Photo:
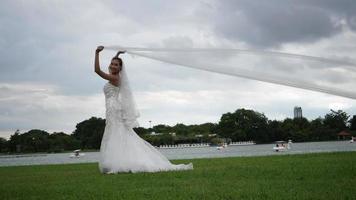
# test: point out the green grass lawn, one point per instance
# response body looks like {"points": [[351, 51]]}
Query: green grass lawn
{"points": [[307, 176]]}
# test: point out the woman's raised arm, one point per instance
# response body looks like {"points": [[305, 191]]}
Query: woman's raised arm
{"points": [[102, 74]]}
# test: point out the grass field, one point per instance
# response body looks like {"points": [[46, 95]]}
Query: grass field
{"points": [[307, 176]]}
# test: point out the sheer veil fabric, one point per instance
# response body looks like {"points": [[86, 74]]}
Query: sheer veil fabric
{"points": [[129, 108], [335, 74], [122, 150]]}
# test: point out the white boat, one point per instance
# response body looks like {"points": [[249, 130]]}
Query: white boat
{"points": [[221, 146], [76, 154], [282, 145]]}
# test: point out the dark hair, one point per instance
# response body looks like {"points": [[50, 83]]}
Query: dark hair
{"points": [[116, 57]]}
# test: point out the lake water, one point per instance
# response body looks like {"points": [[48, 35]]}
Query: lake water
{"points": [[185, 153]]}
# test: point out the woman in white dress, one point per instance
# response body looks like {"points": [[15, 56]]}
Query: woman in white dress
{"points": [[122, 150]]}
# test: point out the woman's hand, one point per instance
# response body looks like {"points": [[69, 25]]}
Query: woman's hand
{"points": [[99, 48], [119, 52]]}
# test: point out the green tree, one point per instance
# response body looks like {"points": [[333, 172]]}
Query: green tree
{"points": [[243, 125], [353, 123], [317, 130], [34, 140], [61, 141], [15, 141], [201, 129], [288, 128], [3, 145], [141, 131], [275, 131], [180, 129], [90, 132], [302, 130], [161, 128], [336, 120]]}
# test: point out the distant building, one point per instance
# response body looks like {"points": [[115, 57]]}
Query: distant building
{"points": [[154, 133], [298, 112], [343, 135]]}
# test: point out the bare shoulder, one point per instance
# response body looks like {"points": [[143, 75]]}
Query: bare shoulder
{"points": [[109, 77]]}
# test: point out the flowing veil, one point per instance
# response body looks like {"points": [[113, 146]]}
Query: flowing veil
{"points": [[334, 74], [129, 108]]}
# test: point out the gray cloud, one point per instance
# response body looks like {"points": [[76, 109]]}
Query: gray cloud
{"points": [[272, 23], [54, 42]]}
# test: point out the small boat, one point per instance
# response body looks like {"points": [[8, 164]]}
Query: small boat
{"points": [[282, 145], [76, 154], [221, 146]]}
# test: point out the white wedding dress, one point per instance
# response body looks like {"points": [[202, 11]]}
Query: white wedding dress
{"points": [[122, 150]]}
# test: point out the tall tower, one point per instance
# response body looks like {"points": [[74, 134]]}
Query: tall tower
{"points": [[297, 112]]}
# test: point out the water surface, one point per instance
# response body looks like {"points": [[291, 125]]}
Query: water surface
{"points": [[185, 153]]}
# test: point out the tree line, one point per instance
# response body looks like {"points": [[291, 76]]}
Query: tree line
{"points": [[241, 125]]}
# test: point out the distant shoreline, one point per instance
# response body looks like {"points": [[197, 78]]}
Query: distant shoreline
{"points": [[97, 150]]}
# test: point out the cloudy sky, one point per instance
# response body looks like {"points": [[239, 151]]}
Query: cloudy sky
{"points": [[47, 49]]}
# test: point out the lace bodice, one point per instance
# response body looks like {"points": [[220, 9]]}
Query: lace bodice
{"points": [[110, 90], [113, 103]]}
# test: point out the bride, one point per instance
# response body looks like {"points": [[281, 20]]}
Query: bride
{"points": [[122, 150]]}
